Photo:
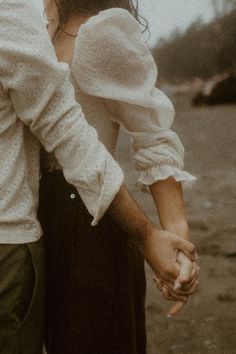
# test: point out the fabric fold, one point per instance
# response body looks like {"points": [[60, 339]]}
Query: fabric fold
{"points": [[162, 172]]}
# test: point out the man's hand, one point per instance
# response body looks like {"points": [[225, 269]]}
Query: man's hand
{"points": [[159, 248], [161, 251]]}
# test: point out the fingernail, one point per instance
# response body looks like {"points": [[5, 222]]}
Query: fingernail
{"points": [[169, 316]]}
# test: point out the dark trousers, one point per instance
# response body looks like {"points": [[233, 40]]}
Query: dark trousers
{"points": [[95, 301], [21, 298]]}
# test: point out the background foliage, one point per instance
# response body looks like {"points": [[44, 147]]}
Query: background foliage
{"points": [[202, 51]]}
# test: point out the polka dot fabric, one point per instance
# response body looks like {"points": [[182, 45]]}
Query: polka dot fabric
{"points": [[37, 105]]}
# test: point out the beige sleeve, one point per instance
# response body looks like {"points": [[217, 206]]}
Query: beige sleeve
{"points": [[43, 98]]}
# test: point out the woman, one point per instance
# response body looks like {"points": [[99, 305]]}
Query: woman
{"points": [[96, 280]]}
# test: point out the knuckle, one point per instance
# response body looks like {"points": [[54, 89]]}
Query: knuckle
{"points": [[192, 247], [170, 272], [184, 279]]}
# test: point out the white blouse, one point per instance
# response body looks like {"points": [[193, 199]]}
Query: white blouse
{"points": [[114, 76]]}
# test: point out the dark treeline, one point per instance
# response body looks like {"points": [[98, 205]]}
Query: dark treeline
{"points": [[202, 51]]}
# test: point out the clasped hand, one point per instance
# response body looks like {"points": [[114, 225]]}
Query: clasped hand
{"points": [[173, 261]]}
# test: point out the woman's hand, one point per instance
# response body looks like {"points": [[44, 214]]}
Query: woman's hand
{"points": [[185, 284], [180, 301], [188, 275], [187, 281]]}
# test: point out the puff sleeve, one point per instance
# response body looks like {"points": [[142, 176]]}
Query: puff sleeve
{"points": [[113, 62]]}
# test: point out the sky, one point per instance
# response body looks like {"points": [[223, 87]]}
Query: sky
{"points": [[164, 16]]}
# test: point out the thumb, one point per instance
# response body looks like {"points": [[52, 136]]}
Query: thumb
{"points": [[187, 248], [185, 270], [186, 266]]}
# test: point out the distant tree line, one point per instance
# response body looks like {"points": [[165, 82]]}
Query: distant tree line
{"points": [[202, 51]]}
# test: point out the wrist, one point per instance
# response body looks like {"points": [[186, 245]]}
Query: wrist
{"points": [[179, 228], [151, 239], [146, 236]]}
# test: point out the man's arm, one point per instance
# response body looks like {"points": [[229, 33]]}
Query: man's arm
{"points": [[43, 99], [160, 248]]}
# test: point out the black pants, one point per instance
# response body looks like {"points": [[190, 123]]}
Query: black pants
{"points": [[95, 278]]}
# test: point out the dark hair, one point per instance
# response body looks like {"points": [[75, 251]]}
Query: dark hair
{"points": [[92, 7]]}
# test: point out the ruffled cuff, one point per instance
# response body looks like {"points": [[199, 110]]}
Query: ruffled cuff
{"points": [[162, 172]]}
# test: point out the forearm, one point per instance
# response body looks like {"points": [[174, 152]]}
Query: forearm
{"points": [[125, 211], [168, 198], [169, 201], [42, 98], [158, 247]]}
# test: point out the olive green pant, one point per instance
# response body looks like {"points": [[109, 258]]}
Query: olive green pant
{"points": [[21, 298]]}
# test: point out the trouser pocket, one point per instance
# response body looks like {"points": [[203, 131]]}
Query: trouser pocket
{"points": [[21, 298]]}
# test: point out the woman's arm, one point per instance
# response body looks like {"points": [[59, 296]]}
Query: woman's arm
{"points": [[168, 197]]}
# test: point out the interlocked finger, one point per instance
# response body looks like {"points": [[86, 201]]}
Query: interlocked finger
{"points": [[168, 295], [158, 283]]}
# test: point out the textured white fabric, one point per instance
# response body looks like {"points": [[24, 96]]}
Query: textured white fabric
{"points": [[37, 104], [114, 75]]}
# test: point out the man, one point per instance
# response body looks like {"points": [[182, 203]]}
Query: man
{"points": [[37, 105]]}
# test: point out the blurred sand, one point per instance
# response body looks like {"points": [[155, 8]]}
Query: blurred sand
{"points": [[208, 322]]}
